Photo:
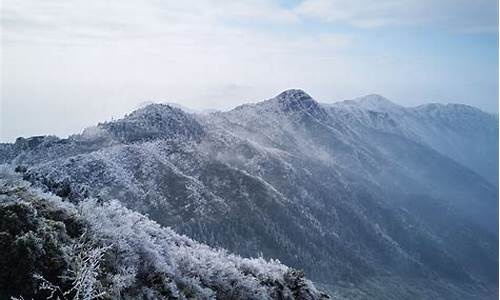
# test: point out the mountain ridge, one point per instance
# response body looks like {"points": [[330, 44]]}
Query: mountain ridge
{"points": [[346, 193]]}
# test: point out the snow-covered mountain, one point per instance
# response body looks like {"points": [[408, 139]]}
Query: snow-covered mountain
{"points": [[369, 198], [461, 132]]}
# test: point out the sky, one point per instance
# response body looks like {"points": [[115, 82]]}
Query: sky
{"points": [[68, 64]]}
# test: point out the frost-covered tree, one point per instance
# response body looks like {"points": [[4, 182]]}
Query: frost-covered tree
{"points": [[95, 250]]}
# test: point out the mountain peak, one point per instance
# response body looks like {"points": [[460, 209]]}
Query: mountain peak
{"points": [[293, 94], [376, 103], [296, 100], [151, 109], [154, 121], [375, 99]]}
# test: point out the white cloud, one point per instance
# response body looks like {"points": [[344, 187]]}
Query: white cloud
{"points": [[73, 19], [97, 59], [455, 15]]}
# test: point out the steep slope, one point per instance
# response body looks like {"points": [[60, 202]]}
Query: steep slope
{"points": [[363, 165], [89, 250], [344, 192], [366, 145]]}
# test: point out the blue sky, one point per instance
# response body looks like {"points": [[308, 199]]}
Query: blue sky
{"points": [[67, 64]]}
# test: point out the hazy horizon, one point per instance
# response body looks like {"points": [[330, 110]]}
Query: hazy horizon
{"points": [[67, 65], [65, 132]]}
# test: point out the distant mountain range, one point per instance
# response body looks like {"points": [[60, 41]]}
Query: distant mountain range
{"points": [[371, 199]]}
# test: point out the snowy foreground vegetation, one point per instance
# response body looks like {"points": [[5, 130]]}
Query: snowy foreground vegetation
{"points": [[53, 249]]}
